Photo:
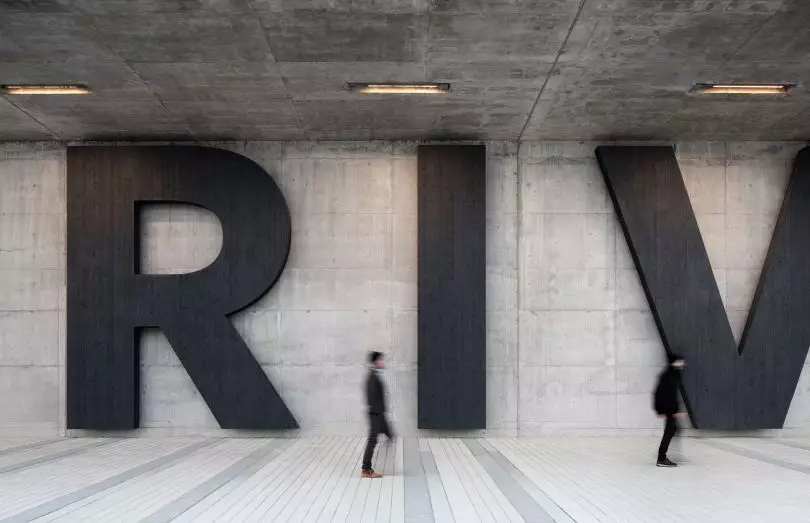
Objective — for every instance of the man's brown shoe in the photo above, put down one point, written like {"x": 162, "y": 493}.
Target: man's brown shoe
{"x": 370, "y": 474}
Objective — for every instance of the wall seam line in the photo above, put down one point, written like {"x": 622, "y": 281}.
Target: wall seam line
{"x": 518, "y": 231}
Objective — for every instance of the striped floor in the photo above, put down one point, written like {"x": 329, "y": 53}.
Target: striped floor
{"x": 426, "y": 480}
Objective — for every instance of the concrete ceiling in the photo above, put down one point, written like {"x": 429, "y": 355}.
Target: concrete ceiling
{"x": 519, "y": 69}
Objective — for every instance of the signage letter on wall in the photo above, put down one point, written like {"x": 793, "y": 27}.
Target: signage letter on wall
{"x": 725, "y": 387}
{"x": 452, "y": 287}
{"x": 107, "y": 301}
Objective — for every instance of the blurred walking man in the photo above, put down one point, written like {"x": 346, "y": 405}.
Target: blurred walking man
{"x": 667, "y": 405}
{"x": 378, "y": 423}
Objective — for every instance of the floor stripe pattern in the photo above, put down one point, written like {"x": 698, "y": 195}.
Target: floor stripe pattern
{"x": 426, "y": 480}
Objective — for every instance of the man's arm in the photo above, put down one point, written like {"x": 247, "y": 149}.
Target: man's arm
{"x": 369, "y": 390}
{"x": 382, "y": 395}
{"x": 658, "y": 403}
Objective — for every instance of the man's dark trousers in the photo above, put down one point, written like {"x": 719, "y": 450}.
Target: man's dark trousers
{"x": 670, "y": 429}
{"x": 378, "y": 424}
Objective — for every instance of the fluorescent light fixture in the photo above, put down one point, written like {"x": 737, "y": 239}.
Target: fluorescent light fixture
{"x": 45, "y": 89}
{"x": 398, "y": 88}
{"x": 742, "y": 88}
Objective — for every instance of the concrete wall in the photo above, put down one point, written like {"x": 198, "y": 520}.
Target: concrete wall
{"x": 571, "y": 344}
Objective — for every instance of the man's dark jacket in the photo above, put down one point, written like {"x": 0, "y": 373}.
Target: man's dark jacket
{"x": 375, "y": 393}
{"x": 666, "y": 393}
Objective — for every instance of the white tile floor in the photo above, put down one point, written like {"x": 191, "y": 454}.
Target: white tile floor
{"x": 441, "y": 480}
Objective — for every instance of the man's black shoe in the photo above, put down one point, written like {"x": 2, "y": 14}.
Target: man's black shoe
{"x": 666, "y": 463}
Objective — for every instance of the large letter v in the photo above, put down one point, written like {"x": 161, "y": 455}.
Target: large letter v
{"x": 725, "y": 387}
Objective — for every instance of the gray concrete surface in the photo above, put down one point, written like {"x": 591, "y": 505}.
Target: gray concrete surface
{"x": 572, "y": 348}
{"x": 519, "y": 69}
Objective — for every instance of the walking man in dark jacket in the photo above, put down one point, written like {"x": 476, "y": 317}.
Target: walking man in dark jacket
{"x": 378, "y": 424}
{"x": 667, "y": 405}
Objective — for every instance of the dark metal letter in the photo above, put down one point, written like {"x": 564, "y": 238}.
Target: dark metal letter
{"x": 725, "y": 387}
{"x": 107, "y": 301}
{"x": 452, "y": 287}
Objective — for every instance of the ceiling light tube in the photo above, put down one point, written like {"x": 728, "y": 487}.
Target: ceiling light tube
{"x": 398, "y": 88}
{"x": 742, "y": 88}
{"x": 45, "y": 89}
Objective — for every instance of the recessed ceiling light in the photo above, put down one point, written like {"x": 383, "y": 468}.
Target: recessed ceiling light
{"x": 45, "y": 89}
{"x": 742, "y": 88}
{"x": 398, "y": 88}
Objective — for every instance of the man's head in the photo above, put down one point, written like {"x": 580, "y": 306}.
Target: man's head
{"x": 375, "y": 359}
{"x": 676, "y": 361}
